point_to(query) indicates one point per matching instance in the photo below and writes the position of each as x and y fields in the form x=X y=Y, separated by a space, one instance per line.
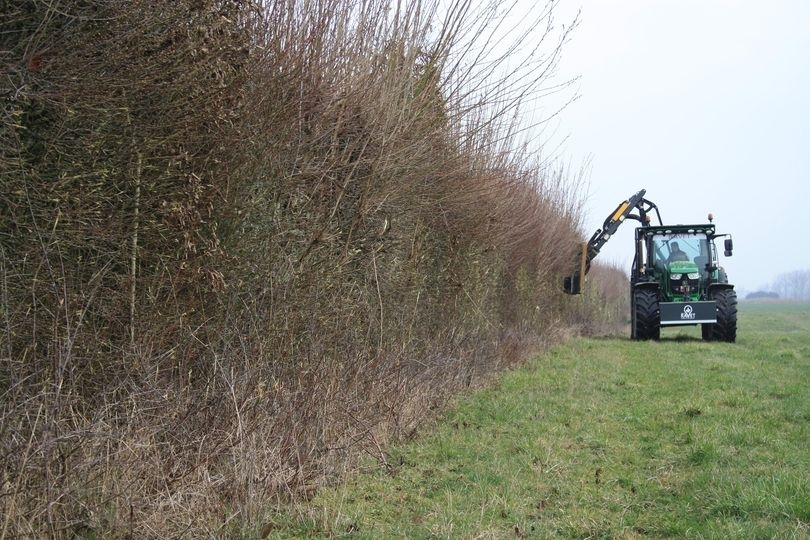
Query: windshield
x=670 y=248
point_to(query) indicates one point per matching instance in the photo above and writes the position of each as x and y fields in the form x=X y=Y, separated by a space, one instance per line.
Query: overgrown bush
x=604 y=306
x=242 y=243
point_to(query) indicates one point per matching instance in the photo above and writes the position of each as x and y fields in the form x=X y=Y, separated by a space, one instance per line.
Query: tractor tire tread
x=647 y=314
x=725 y=329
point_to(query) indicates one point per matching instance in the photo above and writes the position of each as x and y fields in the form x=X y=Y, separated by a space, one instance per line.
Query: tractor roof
x=707 y=228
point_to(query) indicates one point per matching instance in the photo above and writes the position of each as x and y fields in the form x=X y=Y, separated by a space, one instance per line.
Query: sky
x=706 y=105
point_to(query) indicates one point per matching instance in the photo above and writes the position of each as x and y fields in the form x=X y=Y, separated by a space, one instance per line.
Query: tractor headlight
x=675 y=276
x=693 y=275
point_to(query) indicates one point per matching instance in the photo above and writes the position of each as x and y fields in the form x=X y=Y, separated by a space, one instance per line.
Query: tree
x=793 y=285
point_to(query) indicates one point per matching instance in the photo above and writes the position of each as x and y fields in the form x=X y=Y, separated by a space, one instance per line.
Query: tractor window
x=679 y=247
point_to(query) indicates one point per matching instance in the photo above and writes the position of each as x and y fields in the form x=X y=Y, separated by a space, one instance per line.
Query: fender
x=719 y=286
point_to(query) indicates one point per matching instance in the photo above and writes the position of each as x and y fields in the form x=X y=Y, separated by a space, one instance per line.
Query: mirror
x=729 y=246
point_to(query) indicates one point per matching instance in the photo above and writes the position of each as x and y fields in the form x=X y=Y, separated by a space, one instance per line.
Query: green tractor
x=676 y=278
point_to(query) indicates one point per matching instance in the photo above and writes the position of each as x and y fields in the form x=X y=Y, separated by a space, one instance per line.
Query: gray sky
x=706 y=105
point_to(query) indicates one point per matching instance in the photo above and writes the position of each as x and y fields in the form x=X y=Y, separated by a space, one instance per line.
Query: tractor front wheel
x=646 y=314
x=725 y=329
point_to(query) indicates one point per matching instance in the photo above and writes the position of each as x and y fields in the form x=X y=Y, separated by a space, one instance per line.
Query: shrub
x=243 y=243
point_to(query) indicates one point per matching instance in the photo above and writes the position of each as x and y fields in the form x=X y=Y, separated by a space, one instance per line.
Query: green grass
x=605 y=438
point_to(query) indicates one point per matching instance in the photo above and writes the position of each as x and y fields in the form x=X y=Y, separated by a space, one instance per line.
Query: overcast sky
x=706 y=105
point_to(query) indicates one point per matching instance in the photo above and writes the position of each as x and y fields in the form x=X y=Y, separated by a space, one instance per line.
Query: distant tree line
x=793 y=285
x=789 y=286
x=756 y=295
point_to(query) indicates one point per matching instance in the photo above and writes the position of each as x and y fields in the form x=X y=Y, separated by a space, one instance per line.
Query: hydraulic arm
x=573 y=283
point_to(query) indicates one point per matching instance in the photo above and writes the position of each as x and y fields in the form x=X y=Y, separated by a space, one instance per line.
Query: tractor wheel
x=726 y=327
x=646 y=314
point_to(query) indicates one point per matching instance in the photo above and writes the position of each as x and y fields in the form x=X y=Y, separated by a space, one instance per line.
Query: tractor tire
x=725 y=329
x=646 y=315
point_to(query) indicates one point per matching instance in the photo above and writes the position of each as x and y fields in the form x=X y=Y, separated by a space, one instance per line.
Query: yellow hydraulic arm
x=573 y=283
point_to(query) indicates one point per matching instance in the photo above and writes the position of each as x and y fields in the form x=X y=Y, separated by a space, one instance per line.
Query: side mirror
x=729 y=246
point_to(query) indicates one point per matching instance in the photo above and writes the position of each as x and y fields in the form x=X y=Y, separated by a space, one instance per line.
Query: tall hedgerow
x=242 y=243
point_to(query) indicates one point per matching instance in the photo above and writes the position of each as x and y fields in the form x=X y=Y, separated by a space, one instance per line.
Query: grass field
x=605 y=438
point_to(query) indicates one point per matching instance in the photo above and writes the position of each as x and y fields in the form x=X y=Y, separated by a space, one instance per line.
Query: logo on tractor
x=688 y=312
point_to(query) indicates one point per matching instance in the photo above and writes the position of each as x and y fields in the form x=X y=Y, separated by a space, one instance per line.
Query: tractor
x=675 y=279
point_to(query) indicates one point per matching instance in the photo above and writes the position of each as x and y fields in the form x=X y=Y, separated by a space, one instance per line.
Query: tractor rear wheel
x=646 y=314
x=725 y=329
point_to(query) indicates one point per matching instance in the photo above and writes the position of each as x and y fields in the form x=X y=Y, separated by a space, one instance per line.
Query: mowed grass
x=605 y=438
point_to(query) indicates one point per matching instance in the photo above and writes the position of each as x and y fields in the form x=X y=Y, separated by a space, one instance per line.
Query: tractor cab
x=682 y=259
